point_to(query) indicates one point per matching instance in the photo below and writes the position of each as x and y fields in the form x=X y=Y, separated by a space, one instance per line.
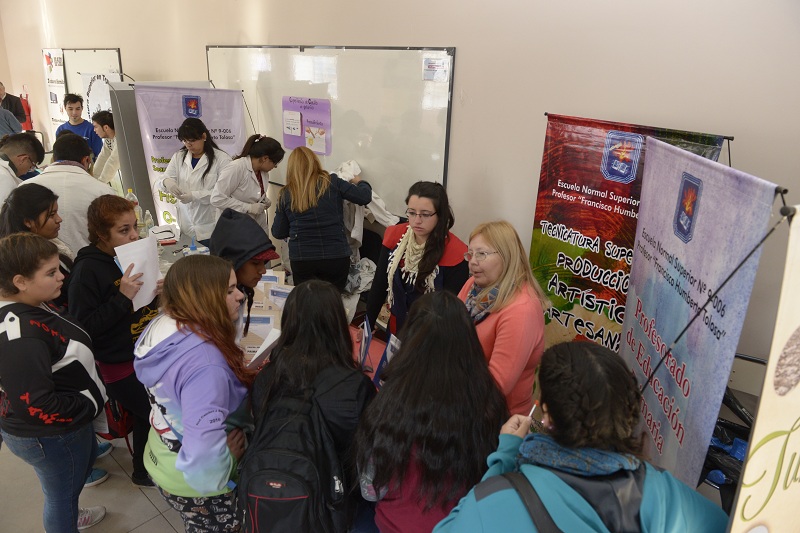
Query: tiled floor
x=129 y=509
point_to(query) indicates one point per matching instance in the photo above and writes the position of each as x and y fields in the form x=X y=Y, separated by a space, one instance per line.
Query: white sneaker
x=89 y=516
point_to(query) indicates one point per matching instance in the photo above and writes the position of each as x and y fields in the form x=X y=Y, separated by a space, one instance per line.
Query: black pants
x=133 y=397
x=333 y=270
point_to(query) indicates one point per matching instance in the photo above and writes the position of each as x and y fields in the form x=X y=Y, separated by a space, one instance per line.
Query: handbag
x=120 y=423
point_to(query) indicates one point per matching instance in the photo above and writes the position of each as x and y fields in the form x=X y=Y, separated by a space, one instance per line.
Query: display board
x=386 y=108
x=78 y=62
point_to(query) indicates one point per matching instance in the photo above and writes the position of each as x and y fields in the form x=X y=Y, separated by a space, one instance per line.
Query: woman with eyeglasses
x=310 y=213
x=242 y=185
x=191 y=176
x=418 y=256
x=506 y=304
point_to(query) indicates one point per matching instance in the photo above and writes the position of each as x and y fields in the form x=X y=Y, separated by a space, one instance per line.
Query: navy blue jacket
x=319 y=232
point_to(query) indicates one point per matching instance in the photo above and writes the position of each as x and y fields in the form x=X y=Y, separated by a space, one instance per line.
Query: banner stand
x=786 y=212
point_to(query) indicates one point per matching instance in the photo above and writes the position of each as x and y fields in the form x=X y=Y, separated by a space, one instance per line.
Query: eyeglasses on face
x=424 y=215
x=479 y=256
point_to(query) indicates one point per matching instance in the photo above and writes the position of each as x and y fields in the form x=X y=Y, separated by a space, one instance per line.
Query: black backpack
x=290 y=478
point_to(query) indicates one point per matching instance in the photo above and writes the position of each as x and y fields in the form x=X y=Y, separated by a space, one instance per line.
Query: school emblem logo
x=688 y=204
x=621 y=156
x=191 y=107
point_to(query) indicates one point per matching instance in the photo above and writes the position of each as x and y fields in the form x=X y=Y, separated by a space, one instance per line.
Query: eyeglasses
x=423 y=215
x=479 y=256
x=190 y=141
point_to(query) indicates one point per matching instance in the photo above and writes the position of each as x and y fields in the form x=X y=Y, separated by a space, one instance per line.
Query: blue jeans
x=62 y=463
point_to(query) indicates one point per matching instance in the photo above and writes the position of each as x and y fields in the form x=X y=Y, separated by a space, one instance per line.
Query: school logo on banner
x=621 y=156
x=686 y=210
x=191 y=107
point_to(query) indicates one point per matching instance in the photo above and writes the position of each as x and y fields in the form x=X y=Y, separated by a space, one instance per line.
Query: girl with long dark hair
x=191 y=176
x=242 y=185
x=588 y=466
x=198 y=382
x=423 y=440
x=418 y=256
x=313 y=359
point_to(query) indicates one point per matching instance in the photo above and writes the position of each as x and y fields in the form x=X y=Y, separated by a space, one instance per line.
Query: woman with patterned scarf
x=418 y=256
x=588 y=467
x=506 y=304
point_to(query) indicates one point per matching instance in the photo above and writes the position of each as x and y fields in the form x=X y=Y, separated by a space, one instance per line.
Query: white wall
x=719 y=66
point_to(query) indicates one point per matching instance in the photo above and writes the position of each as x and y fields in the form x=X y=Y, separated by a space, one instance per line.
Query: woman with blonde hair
x=198 y=385
x=310 y=214
x=506 y=304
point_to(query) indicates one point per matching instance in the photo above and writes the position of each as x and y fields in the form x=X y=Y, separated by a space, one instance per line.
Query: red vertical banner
x=585 y=223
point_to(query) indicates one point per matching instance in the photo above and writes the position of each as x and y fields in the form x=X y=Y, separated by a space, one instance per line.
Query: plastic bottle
x=148 y=221
x=136 y=208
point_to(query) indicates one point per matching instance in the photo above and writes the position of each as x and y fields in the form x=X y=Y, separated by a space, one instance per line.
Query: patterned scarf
x=480 y=308
x=408 y=249
x=541 y=450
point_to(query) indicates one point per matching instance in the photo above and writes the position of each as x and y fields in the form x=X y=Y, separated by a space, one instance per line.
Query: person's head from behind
x=590 y=398
x=497 y=259
x=200 y=294
x=242 y=241
x=103 y=124
x=72 y=147
x=30 y=207
x=264 y=152
x=2 y=90
x=439 y=404
x=111 y=222
x=314 y=334
x=73 y=105
x=306 y=180
x=23 y=150
x=29 y=269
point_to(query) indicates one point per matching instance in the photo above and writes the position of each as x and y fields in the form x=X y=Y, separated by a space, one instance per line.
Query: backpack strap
x=533 y=504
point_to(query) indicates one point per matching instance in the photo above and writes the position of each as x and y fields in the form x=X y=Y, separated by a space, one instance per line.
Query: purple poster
x=307 y=122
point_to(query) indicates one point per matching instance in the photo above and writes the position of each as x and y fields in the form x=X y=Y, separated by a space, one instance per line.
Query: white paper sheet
x=144 y=256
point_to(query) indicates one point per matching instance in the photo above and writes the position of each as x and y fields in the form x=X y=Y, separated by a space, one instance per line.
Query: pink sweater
x=513 y=342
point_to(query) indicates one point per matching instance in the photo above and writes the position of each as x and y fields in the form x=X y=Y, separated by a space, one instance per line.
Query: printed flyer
x=585 y=222
x=307 y=122
x=698 y=220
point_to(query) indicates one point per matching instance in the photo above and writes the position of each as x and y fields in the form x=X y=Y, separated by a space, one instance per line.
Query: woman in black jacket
x=101 y=298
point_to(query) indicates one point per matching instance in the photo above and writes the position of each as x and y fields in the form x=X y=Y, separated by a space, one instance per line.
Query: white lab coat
x=107 y=164
x=76 y=189
x=198 y=217
x=237 y=187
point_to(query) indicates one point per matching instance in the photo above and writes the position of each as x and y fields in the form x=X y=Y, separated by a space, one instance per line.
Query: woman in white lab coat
x=190 y=177
x=242 y=185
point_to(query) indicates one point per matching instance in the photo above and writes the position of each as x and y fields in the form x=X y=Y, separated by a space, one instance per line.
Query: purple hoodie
x=194 y=391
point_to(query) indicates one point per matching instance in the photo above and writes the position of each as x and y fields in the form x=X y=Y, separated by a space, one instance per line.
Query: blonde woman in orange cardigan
x=507 y=306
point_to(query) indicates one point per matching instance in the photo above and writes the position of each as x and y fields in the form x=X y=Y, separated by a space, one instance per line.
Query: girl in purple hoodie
x=198 y=385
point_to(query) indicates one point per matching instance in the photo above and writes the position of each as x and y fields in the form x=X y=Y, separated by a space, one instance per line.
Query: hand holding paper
x=139 y=261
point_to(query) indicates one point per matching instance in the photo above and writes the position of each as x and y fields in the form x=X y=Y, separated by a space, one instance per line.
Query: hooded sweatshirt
x=106 y=314
x=194 y=393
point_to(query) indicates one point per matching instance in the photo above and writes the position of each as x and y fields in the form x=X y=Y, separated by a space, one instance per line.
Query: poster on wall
x=161 y=111
x=686 y=245
x=98 y=97
x=307 y=122
x=769 y=488
x=585 y=223
x=53 y=61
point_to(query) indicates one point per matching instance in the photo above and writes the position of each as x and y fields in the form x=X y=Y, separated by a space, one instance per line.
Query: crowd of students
x=469 y=318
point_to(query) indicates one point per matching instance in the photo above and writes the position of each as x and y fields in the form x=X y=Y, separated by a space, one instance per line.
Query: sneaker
x=90 y=516
x=97 y=476
x=103 y=449
x=142 y=480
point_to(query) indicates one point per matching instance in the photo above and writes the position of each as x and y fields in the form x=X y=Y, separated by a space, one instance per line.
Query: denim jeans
x=62 y=463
